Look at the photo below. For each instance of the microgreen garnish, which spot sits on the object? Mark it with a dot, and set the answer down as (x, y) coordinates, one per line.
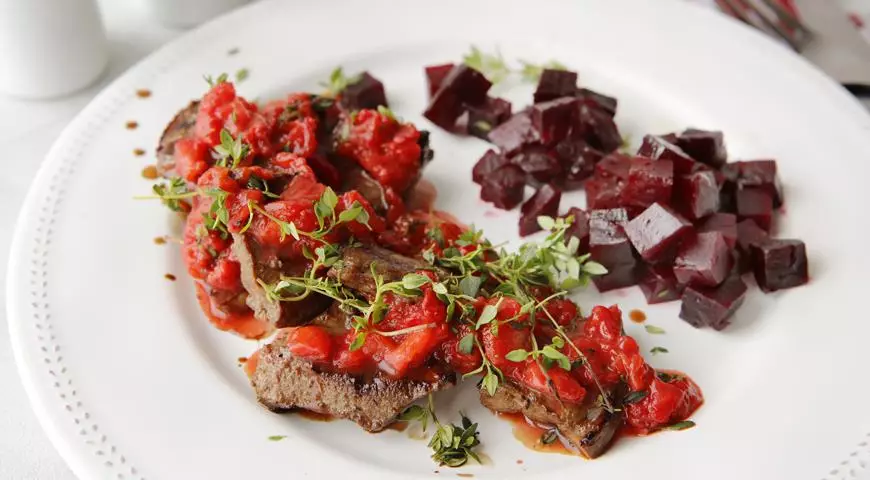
(257, 183)
(327, 220)
(172, 193)
(635, 397)
(492, 66)
(482, 125)
(668, 377)
(532, 73)
(680, 425)
(664, 293)
(466, 344)
(452, 445)
(549, 353)
(338, 81)
(212, 82)
(654, 330)
(658, 350)
(242, 75)
(385, 111)
(277, 438)
(233, 149)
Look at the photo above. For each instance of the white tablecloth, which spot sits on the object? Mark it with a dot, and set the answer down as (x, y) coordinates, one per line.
(27, 130)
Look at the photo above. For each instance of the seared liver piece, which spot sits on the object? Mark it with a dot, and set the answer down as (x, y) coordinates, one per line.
(354, 269)
(180, 127)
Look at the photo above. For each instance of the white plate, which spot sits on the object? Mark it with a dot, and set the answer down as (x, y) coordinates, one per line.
(131, 382)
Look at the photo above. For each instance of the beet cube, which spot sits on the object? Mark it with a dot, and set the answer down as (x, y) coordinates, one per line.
(658, 148)
(578, 160)
(712, 306)
(514, 134)
(658, 284)
(488, 163)
(603, 193)
(462, 86)
(555, 84)
(579, 228)
(596, 126)
(655, 231)
(725, 223)
(696, 195)
(597, 100)
(545, 202)
(671, 138)
(648, 182)
(539, 164)
(483, 118)
(707, 147)
(761, 174)
(748, 234)
(610, 247)
(504, 187)
(615, 165)
(779, 264)
(554, 118)
(704, 260)
(366, 92)
(755, 204)
(435, 75)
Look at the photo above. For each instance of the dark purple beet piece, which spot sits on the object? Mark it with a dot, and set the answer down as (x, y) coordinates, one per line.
(435, 75)
(727, 177)
(544, 202)
(579, 228)
(597, 100)
(554, 84)
(610, 247)
(554, 118)
(779, 264)
(603, 193)
(655, 231)
(615, 165)
(540, 165)
(488, 163)
(712, 306)
(761, 174)
(672, 138)
(696, 195)
(725, 223)
(366, 92)
(658, 148)
(707, 147)
(648, 182)
(578, 162)
(596, 126)
(504, 187)
(748, 234)
(658, 284)
(515, 133)
(483, 118)
(704, 260)
(462, 86)
(755, 204)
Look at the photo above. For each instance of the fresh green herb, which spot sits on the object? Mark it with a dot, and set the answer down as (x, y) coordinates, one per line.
(664, 293)
(327, 220)
(492, 66)
(338, 82)
(416, 413)
(654, 330)
(487, 315)
(635, 397)
(277, 438)
(658, 350)
(257, 183)
(385, 111)
(222, 78)
(532, 73)
(230, 149)
(549, 436)
(470, 285)
(242, 75)
(548, 352)
(482, 125)
(171, 194)
(466, 344)
(668, 377)
(625, 146)
(680, 425)
(452, 445)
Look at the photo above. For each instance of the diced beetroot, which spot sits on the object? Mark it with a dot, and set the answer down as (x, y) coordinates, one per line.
(761, 174)
(597, 100)
(488, 163)
(658, 148)
(696, 195)
(367, 92)
(603, 193)
(725, 223)
(579, 228)
(596, 126)
(728, 177)
(755, 204)
(540, 165)
(462, 86)
(544, 202)
(748, 235)
(325, 171)
(610, 247)
(707, 147)
(648, 182)
(514, 134)
(659, 284)
(704, 260)
(483, 118)
(779, 264)
(578, 160)
(554, 118)
(615, 165)
(435, 75)
(712, 306)
(504, 187)
(555, 84)
(656, 231)
(672, 138)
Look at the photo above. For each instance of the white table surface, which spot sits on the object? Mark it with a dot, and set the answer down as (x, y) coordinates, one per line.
(27, 130)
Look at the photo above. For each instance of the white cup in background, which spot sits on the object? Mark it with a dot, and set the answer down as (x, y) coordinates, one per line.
(188, 13)
(50, 48)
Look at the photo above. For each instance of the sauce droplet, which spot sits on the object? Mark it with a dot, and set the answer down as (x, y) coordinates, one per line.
(131, 125)
(519, 461)
(143, 93)
(315, 416)
(159, 240)
(637, 316)
(243, 359)
(465, 475)
(138, 152)
(233, 51)
(170, 277)
(150, 172)
(531, 435)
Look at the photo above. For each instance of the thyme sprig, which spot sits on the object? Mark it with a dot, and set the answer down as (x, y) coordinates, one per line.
(496, 69)
(231, 151)
(452, 445)
(338, 82)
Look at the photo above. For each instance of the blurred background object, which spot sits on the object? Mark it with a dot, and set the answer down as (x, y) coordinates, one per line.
(189, 13)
